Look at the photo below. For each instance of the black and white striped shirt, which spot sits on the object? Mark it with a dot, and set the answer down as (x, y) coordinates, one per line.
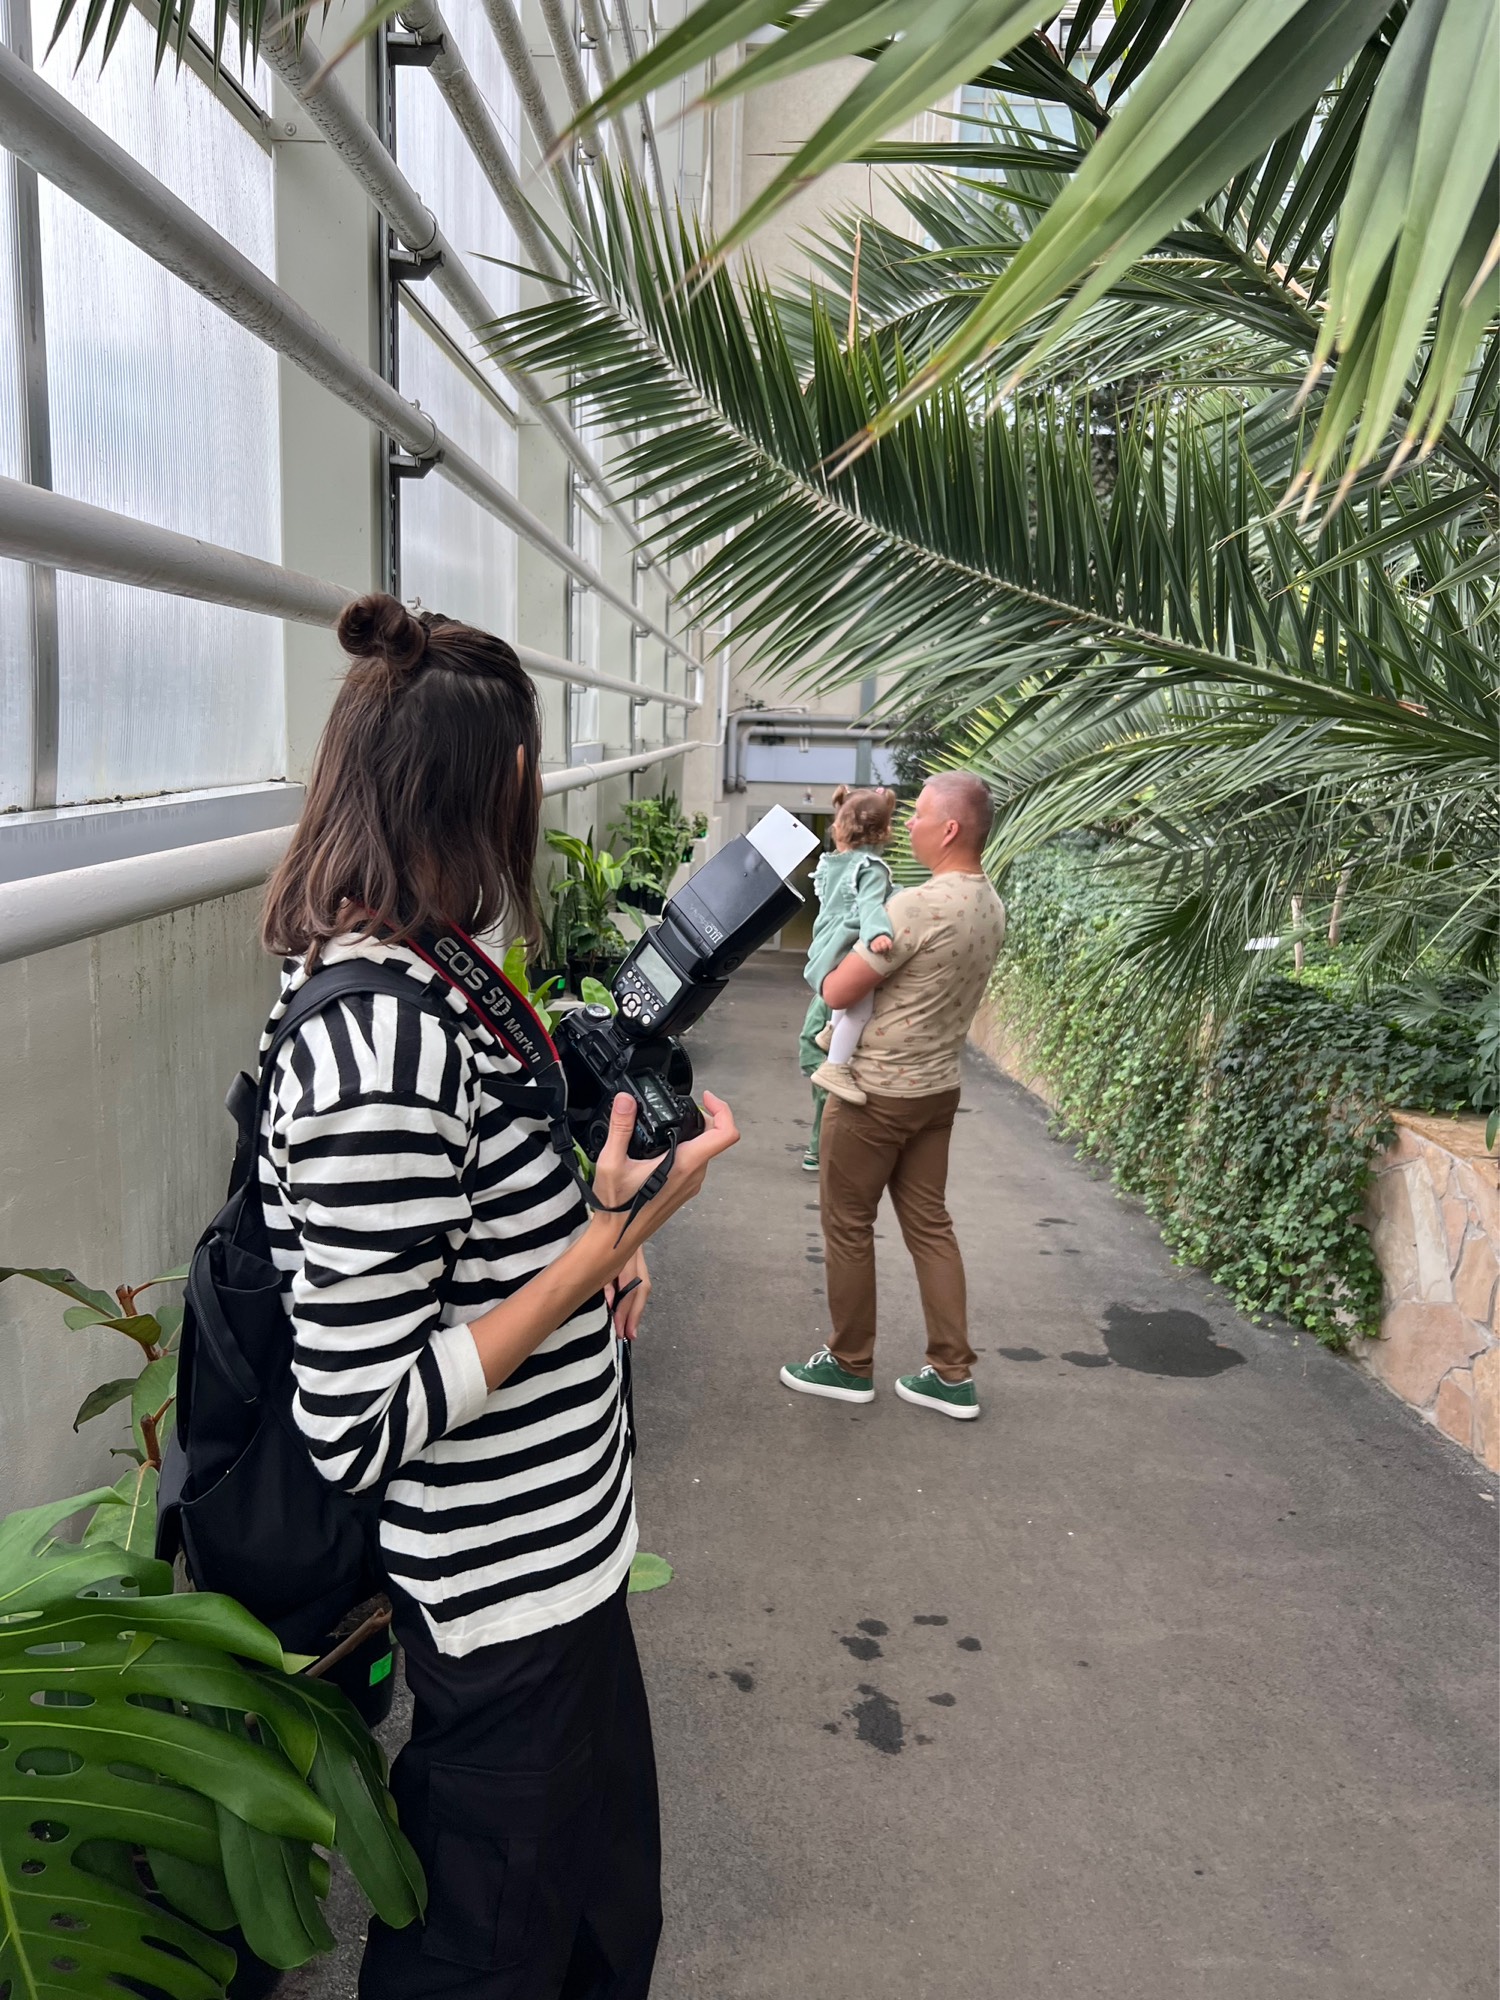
(403, 1200)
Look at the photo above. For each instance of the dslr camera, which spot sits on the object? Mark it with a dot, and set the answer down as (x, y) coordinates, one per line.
(673, 975)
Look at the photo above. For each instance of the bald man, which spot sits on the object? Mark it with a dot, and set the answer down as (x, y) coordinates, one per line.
(948, 935)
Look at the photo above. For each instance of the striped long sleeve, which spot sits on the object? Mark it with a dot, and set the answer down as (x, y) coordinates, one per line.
(376, 1102)
(406, 1193)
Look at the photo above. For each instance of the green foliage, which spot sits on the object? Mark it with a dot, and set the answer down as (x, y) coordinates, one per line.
(1339, 158)
(648, 1573)
(517, 971)
(658, 838)
(152, 1391)
(1251, 1138)
(580, 924)
(1083, 590)
(164, 1774)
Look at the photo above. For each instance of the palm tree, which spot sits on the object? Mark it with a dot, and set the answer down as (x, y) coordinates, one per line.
(1343, 152)
(1084, 582)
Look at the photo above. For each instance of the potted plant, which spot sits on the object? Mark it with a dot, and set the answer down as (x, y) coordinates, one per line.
(198, 1867)
(581, 933)
(658, 838)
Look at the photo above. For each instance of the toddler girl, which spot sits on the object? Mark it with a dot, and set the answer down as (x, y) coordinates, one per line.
(851, 886)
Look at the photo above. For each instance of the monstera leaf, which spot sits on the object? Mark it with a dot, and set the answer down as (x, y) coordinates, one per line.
(163, 1776)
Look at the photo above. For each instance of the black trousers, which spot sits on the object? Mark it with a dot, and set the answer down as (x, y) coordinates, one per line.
(529, 1791)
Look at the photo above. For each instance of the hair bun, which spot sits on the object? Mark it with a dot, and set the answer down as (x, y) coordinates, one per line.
(840, 793)
(377, 627)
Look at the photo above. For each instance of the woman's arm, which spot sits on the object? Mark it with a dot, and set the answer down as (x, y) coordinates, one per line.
(374, 1180)
(504, 1336)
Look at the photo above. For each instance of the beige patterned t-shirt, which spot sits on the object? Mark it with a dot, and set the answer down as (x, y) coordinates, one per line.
(948, 936)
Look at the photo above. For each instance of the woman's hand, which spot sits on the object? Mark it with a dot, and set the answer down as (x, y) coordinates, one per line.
(604, 1255)
(626, 1295)
(618, 1178)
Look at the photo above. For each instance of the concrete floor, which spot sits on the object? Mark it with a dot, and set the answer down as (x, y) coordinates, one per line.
(1173, 1678)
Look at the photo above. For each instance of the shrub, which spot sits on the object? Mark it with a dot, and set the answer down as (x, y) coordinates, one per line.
(1251, 1139)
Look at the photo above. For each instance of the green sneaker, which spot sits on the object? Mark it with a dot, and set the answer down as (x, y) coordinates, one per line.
(821, 1375)
(929, 1391)
(810, 1160)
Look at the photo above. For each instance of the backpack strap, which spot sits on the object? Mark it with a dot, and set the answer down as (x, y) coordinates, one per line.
(248, 1096)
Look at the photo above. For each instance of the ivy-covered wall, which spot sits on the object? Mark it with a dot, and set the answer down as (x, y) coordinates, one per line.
(1252, 1141)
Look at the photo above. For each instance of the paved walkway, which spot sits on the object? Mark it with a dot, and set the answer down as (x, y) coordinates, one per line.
(1173, 1678)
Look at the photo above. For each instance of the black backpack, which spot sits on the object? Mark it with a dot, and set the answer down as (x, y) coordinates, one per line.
(240, 1497)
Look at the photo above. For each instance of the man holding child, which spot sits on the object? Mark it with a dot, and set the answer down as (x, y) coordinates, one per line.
(909, 998)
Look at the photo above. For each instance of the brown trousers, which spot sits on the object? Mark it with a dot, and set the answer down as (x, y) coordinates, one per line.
(900, 1143)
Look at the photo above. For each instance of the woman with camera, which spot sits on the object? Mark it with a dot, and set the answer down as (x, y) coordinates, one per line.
(452, 1304)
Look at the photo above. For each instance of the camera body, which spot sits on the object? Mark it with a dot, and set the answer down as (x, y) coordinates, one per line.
(673, 975)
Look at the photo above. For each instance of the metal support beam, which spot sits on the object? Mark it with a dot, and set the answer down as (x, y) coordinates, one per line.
(598, 33)
(40, 127)
(70, 904)
(648, 130)
(486, 142)
(39, 526)
(336, 116)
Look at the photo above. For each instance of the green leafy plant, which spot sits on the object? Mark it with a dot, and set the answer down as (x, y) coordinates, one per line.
(518, 972)
(152, 1390)
(1107, 616)
(165, 1774)
(658, 837)
(1250, 1137)
(582, 935)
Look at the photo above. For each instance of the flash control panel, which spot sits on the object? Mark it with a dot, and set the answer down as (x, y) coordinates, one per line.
(638, 1000)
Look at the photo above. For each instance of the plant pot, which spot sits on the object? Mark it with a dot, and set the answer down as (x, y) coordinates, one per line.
(649, 901)
(597, 965)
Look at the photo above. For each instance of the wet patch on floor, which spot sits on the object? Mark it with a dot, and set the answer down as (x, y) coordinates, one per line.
(873, 1626)
(970, 1646)
(877, 1721)
(743, 1681)
(930, 1618)
(1081, 1360)
(862, 1649)
(1165, 1343)
(943, 1700)
(1021, 1353)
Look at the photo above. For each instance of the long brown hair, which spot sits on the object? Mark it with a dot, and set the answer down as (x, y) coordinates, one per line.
(416, 813)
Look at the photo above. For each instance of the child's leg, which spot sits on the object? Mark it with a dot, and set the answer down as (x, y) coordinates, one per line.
(848, 1026)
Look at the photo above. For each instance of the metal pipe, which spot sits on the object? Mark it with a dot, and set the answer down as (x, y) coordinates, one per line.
(598, 33)
(745, 723)
(486, 142)
(575, 775)
(49, 910)
(40, 127)
(648, 129)
(45, 911)
(455, 83)
(337, 117)
(510, 38)
(570, 67)
(39, 526)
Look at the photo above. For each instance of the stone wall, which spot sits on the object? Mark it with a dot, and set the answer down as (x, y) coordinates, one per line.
(1434, 1214)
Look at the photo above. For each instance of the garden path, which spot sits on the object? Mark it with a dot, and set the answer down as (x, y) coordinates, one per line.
(1170, 1679)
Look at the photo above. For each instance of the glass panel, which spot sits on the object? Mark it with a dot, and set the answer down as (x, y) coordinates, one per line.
(162, 409)
(455, 556)
(435, 157)
(15, 603)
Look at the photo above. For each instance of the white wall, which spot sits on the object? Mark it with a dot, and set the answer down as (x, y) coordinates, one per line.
(114, 1059)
